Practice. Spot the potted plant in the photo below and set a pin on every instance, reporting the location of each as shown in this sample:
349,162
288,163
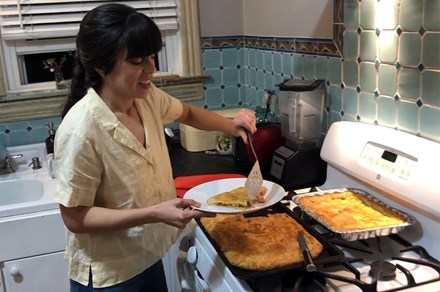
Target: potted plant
55,65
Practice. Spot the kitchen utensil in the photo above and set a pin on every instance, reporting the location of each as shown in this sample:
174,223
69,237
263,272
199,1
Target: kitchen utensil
255,179
265,140
310,266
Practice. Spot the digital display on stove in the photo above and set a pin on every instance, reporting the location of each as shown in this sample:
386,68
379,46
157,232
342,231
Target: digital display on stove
387,155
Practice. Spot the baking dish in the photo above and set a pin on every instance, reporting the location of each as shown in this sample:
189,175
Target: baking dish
372,202
330,254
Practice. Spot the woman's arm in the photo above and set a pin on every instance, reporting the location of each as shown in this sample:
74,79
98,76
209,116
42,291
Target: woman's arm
82,219
210,121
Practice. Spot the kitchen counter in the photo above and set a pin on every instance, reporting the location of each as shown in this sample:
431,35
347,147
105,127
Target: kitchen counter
194,163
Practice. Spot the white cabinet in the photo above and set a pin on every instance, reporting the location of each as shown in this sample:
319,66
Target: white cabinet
39,273
31,253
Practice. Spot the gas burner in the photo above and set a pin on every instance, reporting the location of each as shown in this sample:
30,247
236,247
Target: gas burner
303,281
385,270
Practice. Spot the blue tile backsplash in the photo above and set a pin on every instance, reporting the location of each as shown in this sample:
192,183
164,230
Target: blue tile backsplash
389,74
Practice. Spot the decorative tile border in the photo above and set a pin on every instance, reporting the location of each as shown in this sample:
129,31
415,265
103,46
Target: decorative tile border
308,46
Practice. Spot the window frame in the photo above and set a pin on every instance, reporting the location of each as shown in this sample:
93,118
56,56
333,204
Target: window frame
187,85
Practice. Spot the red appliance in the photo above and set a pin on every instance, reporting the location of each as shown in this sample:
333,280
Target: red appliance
266,140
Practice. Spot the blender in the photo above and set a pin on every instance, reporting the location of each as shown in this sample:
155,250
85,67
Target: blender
297,163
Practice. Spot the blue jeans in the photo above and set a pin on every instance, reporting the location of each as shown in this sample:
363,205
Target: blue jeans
152,279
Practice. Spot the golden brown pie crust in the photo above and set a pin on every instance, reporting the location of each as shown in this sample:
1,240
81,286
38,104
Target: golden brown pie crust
259,243
235,198
348,211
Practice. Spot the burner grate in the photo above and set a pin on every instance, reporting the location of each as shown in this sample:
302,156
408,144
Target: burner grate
374,248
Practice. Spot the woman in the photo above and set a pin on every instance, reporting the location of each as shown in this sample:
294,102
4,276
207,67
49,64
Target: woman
115,186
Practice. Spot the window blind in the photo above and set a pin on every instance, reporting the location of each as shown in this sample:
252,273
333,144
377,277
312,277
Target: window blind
37,19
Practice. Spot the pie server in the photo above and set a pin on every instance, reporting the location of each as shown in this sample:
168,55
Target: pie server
307,257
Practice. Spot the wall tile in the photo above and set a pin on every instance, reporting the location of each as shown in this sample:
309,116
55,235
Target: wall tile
277,65
411,14
430,122
368,46
367,107
431,11
211,58
335,69
388,46
229,57
321,68
368,14
287,63
297,66
431,87
351,44
407,116
387,14
409,49
409,83
368,74
386,114
350,101
431,49
350,72
309,67
335,93
387,79
230,76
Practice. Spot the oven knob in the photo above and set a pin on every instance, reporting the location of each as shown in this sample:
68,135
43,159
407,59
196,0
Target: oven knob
14,271
191,256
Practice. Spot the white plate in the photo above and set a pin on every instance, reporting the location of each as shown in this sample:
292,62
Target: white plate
202,192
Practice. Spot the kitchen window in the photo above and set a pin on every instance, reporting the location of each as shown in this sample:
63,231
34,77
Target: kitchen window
33,30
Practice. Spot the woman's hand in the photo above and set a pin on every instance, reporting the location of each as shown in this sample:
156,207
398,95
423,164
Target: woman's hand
244,120
178,212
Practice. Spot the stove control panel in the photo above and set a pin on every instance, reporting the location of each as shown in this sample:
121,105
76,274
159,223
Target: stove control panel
391,161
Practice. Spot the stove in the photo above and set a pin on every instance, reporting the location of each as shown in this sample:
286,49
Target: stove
399,169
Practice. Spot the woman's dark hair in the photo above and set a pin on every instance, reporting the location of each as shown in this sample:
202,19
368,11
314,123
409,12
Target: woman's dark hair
104,33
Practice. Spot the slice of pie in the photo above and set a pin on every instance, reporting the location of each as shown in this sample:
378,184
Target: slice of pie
236,198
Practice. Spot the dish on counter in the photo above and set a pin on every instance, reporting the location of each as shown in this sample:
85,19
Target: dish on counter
352,213
201,193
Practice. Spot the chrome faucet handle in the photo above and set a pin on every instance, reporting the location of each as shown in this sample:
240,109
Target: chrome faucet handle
7,162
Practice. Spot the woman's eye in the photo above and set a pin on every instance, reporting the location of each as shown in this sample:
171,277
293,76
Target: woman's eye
136,61
141,61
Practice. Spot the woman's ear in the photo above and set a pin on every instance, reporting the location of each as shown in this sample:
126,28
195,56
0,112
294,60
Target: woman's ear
100,71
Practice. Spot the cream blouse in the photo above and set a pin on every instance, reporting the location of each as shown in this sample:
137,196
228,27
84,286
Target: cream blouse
99,162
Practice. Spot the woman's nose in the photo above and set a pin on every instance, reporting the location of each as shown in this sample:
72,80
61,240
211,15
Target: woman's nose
150,66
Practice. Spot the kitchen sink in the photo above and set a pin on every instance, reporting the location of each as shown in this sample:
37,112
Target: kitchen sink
20,191
27,189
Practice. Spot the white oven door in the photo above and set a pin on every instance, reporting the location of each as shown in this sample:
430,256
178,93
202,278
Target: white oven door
189,265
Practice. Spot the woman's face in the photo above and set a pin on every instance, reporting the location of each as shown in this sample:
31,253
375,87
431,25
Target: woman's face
130,78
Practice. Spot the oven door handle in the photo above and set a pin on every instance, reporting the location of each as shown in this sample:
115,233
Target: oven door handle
189,278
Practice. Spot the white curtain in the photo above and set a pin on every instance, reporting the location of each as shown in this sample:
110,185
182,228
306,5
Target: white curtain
37,19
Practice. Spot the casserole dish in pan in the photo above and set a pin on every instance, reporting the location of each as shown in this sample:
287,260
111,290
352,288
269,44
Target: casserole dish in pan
353,214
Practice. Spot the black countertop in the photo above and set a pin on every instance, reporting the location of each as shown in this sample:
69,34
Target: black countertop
196,163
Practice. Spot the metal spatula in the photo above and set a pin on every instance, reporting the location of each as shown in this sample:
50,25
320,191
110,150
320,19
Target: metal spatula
254,180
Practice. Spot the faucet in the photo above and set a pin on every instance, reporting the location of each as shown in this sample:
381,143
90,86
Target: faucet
5,160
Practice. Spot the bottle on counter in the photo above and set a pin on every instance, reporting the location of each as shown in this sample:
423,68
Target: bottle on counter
49,148
50,140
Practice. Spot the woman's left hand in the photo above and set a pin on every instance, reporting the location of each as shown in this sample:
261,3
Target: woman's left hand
244,120
178,212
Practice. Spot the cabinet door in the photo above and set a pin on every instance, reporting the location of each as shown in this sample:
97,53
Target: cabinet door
42,273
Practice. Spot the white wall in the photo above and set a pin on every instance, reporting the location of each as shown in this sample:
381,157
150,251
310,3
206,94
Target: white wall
284,18
221,17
